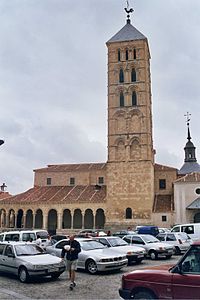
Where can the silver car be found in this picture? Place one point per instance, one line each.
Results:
(133, 253)
(93, 257)
(26, 260)
(179, 240)
(153, 246)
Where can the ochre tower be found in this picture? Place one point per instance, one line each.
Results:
(130, 167)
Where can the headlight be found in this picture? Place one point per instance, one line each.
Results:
(130, 252)
(38, 267)
(161, 248)
(106, 259)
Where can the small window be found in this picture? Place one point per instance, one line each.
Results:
(134, 54)
(119, 55)
(133, 75)
(121, 76)
(164, 218)
(8, 250)
(126, 54)
(101, 180)
(170, 237)
(134, 99)
(162, 184)
(188, 229)
(121, 99)
(72, 181)
(128, 213)
(197, 191)
(48, 181)
(161, 237)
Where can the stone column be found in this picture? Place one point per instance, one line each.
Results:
(59, 221)
(82, 213)
(72, 219)
(45, 221)
(34, 220)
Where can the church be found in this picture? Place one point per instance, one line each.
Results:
(130, 188)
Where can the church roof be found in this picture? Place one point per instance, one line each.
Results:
(189, 167)
(191, 177)
(4, 195)
(59, 195)
(127, 33)
(195, 204)
(73, 167)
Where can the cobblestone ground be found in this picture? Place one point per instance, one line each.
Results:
(101, 286)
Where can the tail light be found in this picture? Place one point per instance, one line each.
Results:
(180, 242)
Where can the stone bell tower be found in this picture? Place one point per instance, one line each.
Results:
(130, 170)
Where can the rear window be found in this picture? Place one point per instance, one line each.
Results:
(12, 237)
(42, 234)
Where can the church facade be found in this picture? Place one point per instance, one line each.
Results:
(130, 188)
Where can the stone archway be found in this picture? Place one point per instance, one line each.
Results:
(20, 219)
(52, 221)
(88, 219)
(197, 218)
(77, 220)
(39, 219)
(99, 218)
(29, 219)
(67, 219)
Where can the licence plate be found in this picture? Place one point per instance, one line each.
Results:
(53, 269)
(141, 255)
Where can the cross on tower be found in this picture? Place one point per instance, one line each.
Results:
(187, 115)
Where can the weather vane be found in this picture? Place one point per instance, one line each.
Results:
(187, 115)
(128, 11)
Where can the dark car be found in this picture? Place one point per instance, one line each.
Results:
(122, 233)
(152, 230)
(181, 281)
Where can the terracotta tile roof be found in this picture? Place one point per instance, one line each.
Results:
(163, 203)
(72, 167)
(59, 195)
(4, 195)
(159, 167)
(192, 177)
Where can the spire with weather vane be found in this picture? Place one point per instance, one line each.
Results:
(128, 11)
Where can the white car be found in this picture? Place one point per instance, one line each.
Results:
(28, 260)
(153, 246)
(93, 257)
(133, 253)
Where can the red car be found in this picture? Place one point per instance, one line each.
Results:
(181, 281)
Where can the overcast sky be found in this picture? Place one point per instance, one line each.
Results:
(53, 80)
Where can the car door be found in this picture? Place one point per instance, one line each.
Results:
(58, 248)
(2, 247)
(186, 284)
(9, 260)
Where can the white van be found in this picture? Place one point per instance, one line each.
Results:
(24, 235)
(192, 229)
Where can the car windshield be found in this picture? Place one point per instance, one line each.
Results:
(42, 234)
(115, 242)
(91, 245)
(28, 249)
(150, 239)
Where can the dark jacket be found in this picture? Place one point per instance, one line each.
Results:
(71, 255)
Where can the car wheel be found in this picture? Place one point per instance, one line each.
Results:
(55, 275)
(23, 275)
(91, 267)
(177, 250)
(168, 256)
(143, 295)
(153, 255)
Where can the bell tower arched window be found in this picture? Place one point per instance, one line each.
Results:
(119, 55)
(133, 75)
(121, 99)
(134, 98)
(128, 213)
(126, 54)
(121, 75)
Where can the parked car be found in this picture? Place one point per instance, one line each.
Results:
(181, 281)
(180, 241)
(192, 229)
(133, 253)
(24, 235)
(153, 246)
(27, 260)
(122, 233)
(93, 257)
(153, 230)
(163, 229)
(90, 232)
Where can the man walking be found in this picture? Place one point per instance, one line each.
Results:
(71, 251)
